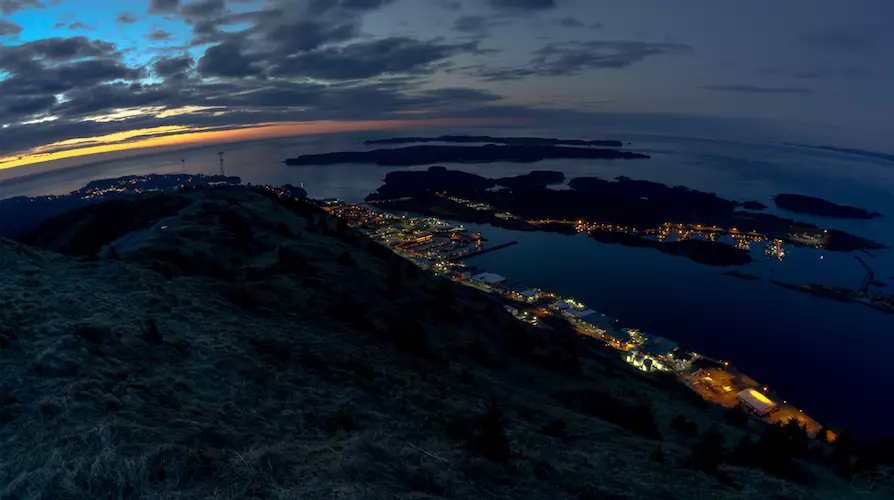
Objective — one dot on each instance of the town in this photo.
(441, 247)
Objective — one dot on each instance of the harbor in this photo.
(442, 248)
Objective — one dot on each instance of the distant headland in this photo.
(489, 153)
(514, 141)
(817, 206)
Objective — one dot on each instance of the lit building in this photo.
(488, 278)
(756, 402)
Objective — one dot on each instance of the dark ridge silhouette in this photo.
(515, 141)
(490, 153)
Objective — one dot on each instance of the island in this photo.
(489, 153)
(817, 206)
(622, 211)
(516, 141)
(876, 300)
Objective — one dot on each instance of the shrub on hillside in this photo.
(556, 428)
(409, 336)
(638, 419)
(737, 417)
(483, 435)
(345, 259)
(684, 426)
(708, 452)
(151, 332)
(239, 295)
(91, 333)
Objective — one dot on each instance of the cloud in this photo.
(368, 59)
(159, 35)
(126, 18)
(573, 22)
(227, 60)
(9, 28)
(843, 73)
(163, 6)
(168, 67)
(754, 89)
(79, 26)
(838, 39)
(9, 7)
(523, 5)
(204, 8)
(476, 25)
(570, 58)
(450, 5)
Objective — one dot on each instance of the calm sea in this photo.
(829, 358)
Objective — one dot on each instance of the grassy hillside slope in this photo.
(236, 346)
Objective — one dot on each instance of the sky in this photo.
(80, 78)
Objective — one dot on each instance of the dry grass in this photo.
(289, 375)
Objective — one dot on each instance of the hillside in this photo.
(230, 344)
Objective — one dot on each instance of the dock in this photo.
(484, 251)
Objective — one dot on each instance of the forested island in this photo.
(515, 141)
(633, 204)
(489, 153)
(817, 206)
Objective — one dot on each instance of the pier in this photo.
(484, 251)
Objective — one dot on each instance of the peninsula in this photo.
(817, 206)
(515, 141)
(489, 153)
(21, 213)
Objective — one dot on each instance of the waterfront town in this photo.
(441, 247)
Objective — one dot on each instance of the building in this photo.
(755, 402)
(572, 308)
(488, 278)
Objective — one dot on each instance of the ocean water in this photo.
(829, 358)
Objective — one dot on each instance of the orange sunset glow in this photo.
(168, 136)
